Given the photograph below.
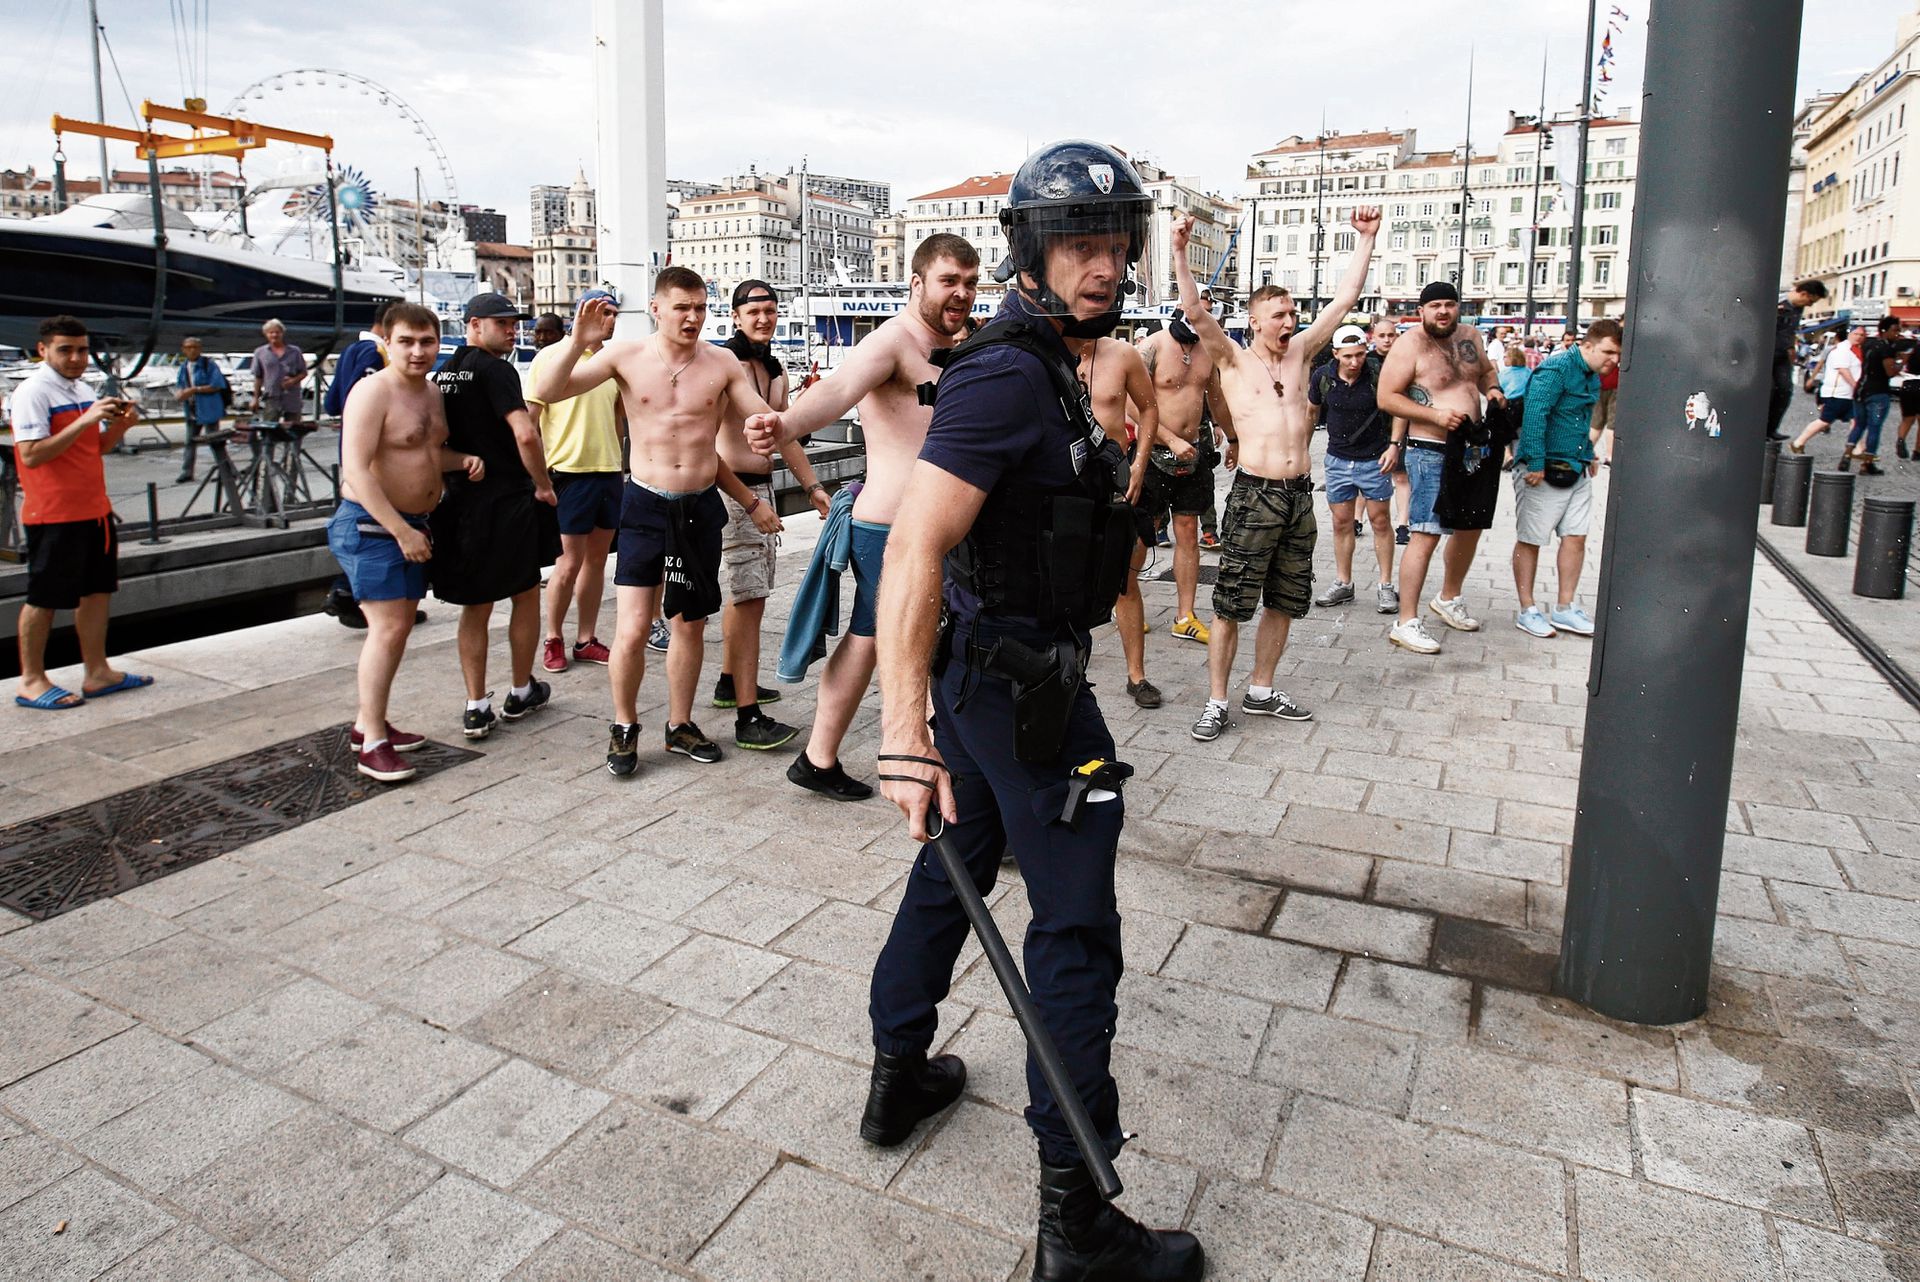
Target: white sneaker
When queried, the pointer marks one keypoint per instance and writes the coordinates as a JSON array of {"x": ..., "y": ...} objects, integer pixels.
[
  {"x": 1454, "y": 614},
  {"x": 1413, "y": 635}
]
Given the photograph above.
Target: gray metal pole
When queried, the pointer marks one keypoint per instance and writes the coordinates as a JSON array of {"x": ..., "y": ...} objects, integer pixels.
[
  {"x": 1466, "y": 184},
  {"x": 1580, "y": 176},
  {"x": 1540, "y": 136},
  {"x": 1664, "y": 687},
  {"x": 99, "y": 89}
]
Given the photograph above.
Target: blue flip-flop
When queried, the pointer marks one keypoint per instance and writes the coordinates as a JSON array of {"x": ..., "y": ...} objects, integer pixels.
[
  {"x": 128, "y": 682},
  {"x": 49, "y": 700}
]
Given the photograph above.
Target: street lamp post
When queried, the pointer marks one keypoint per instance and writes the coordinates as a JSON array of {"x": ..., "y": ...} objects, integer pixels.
[{"x": 1319, "y": 222}]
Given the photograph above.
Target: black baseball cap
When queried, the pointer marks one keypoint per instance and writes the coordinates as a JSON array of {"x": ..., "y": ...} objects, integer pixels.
[
  {"x": 754, "y": 291},
  {"x": 493, "y": 307}
]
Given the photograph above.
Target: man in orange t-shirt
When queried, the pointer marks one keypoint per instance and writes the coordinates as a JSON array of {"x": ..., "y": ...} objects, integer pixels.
[{"x": 59, "y": 432}]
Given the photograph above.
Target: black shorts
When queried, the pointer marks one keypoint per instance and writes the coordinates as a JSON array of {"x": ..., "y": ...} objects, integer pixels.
[
  {"x": 642, "y": 543},
  {"x": 1910, "y": 398},
  {"x": 67, "y": 560},
  {"x": 1188, "y": 495},
  {"x": 490, "y": 542},
  {"x": 589, "y": 501}
]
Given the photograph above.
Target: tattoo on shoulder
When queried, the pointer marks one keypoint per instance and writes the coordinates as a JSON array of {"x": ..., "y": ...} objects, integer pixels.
[
  {"x": 1469, "y": 351},
  {"x": 1151, "y": 356}
]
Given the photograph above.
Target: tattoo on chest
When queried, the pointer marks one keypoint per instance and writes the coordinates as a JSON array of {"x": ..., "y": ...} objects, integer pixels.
[{"x": 1469, "y": 351}]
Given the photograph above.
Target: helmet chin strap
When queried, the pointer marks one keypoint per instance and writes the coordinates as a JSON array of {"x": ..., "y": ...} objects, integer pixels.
[{"x": 1072, "y": 326}]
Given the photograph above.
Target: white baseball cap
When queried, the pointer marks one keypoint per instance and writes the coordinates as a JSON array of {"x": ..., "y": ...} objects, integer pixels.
[{"x": 1349, "y": 336}]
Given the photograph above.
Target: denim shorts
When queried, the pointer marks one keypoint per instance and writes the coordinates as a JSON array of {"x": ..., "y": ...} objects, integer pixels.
[
  {"x": 1347, "y": 477},
  {"x": 869, "y": 554},
  {"x": 1423, "y": 474},
  {"x": 371, "y": 558}
]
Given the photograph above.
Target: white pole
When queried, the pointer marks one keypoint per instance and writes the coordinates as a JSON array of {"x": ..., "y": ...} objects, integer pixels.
[
  {"x": 629, "y": 72},
  {"x": 99, "y": 90}
]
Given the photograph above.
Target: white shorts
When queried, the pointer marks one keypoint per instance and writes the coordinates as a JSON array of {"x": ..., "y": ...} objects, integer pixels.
[{"x": 1541, "y": 511}]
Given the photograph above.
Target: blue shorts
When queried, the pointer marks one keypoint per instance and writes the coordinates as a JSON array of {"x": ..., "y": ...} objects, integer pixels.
[
  {"x": 642, "y": 544},
  {"x": 371, "y": 558},
  {"x": 869, "y": 554},
  {"x": 588, "y": 501},
  {"x": 1423, "y": 475},
  {"x": 1347, "y": 477},
  {"x": 1836, "y": 409}
]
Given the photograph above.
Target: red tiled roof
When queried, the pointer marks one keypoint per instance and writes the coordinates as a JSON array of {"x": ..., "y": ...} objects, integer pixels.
[
  {"x": 977, "y": 185},
  {"x": 1340, "y": 142},
  {"x": 500, "y": 249},
  {"x": 1598, "y": 122}
]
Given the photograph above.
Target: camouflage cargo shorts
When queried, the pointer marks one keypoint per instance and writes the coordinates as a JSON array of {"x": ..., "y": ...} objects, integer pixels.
[{"x": 1267, "y": 536}]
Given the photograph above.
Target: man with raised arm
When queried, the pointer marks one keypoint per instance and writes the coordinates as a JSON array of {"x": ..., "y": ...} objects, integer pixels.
[
  {"x": 1267, "y": 531},
  {"x": 883, "y": 375},
  {"x": 1179, "y": 478},
  {"x": 1432, "y": 381},
  {"x": 675, "y": 389}
]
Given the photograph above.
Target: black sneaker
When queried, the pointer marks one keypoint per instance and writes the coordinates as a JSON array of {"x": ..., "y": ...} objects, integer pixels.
[
  {"x": 623, "y": 749},
  {"x": 689, "y": 742},
  {"x": 723, "y": 693},
  {"x": 1900, "y": 448},
  {"x": 1145, "y": 693},
  {"x": 1400, "y": 535},
  {"x": 1872, "y": 469},
  {"x": 1278, "y": 704},
  {"x": 833, "y": 781},
  {"x": 515, "y": 707},
  {"x": 344, "y": 608},
  {"x": 758, "y": 731},
  {"x": 478, "y": 723}
]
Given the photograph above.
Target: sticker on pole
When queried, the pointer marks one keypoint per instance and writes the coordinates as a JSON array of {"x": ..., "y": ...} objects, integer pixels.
[{"x": 1700, "y": 413}]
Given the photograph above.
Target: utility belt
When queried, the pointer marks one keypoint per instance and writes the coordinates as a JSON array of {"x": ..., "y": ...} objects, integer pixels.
[{"x": 1046, "y": 679}]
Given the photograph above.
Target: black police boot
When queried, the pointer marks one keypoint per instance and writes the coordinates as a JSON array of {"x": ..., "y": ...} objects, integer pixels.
[
  {"x": 905, "y": 1091},
  {"x": 1084, "y": 1238}
]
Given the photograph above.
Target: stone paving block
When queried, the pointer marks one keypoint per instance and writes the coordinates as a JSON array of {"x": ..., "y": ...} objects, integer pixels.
[
  {"x": 1367, "y": 929},
  {"x": 1808, "y": 827},
  {"x": 1205, "y": 808},
  {"x": 455, "y": 1229},
  {"x": 1889, "y": 875},
  {"x": 708, "y": 974},
  {"x": 1893, "y": 838},
  {"x": 1513, "y": 785},
  {"x": 455, "y": 986},
  {"x": 645, "y": 883},
  {"x": 503, "y": 1125},
  {"x": 178, "y": 892},
  {"x": 86, "y": 937},
  {"x": 1557, "y": 1030},
  {"x": 1206, "y": 771},
  {"x": 1506, "y": 857},
  {"x": 1427, "y": 1180},
  {"x": 692, "y": 1066},
  {"x": 1327, "y": 792},
  {"x": 1253, "y": 1233},
  {"x": 815, "y": 1006},
  {"x": 1738, "y": 1000},
  {"x": 480, "y": 838},
  {"x": 1886, "y": 969},
  {"x": 1426, "y": 805},
  {"x": 71, "y": 1097},
  {"x": 1451, "y": 891},
  {"x": 1497, "y": 954},
  {"x": 1892, "y": 921},
  {"x": 1745, "y": 896},
  {"x": 51, "y": 1023},
  {"x": 305, "y": 1190},
  {"x": 872, "y": 1237},
  {"x": 652, "y": 1182},
  {"x": 1415, "y": 1000},
  {"x": 412, "y": 884},
  {"x": 502, "y": 911},
  {"x": 255, "y": 909},
  {"x": 809, "y": 1105},
  {"x": 1528, "y": 822},
  {"x": 1351, "y": 1062},
  {"x": 1850, "y": 1021},
  {"x": 285, "y": 1024},
  {"x": 182, "y": 981},
  {"x": 1398, "y": 1255},
  {"x": 105, "y": 1225},
  {"x": 799, "y": 864},
  {"x": 1275, "y": 754},
  {"x": 1193, "y": 895},
  {"x": 1218, "y": 1121},
  {"x": 167, "y": 1137},
  {"x": 1286, "y": 863},
  {"x": 1269, "y": 969},
  {"x": 840, "y": 934},
  {"x": 1366, "y": 834},
  {"x": 1730, "y": 1154},
  {"x": 1815, "y": 1085},
  {"x": 316, "y": 853},
  {"x": 601, "y": 941},
  {"x": 188, "y": 1252},
  {"x": 575, "y": 1257},
  {"x": 1524, "y": 1104},
  {"x": 1382, "y": 768},
  {"x": 1812, "y": 1255},
  {"x": 390, "y": 1071},
  {"x": 1186, "y": 1021},
  {"x": 1780, "y": 950},
  {"x": 558, "y": 861},
  {"x": 29, "y": 1163},
  {"x": 1630, "y": 1230},
  {"x": 355, "y": 948},
  {"x": 396, "y": 815},
  {"x": 751, "y": 913},
  {"x": 1164, "y": 842},
  {"x": 1866, "y": 803},
  {"x": 570, "y": 1023}
]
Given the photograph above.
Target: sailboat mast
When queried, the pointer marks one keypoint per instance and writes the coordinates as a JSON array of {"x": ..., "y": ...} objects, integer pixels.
[{"x": 99, "y": 89}]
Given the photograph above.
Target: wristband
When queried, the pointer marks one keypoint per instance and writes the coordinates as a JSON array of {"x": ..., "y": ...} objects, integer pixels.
[
  {"x": 816, "y": 488},
  {"x": 752, "y": 507}
]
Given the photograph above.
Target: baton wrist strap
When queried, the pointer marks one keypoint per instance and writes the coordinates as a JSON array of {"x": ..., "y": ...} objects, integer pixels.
[{"x": 928, "y": 784}]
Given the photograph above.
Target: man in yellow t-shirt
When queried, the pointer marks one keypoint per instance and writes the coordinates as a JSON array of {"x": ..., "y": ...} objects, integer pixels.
[{"x": 582, "y": 436}]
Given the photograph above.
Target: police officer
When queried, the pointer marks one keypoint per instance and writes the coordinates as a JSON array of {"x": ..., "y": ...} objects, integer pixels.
[{"x": 1018, "y": 489}]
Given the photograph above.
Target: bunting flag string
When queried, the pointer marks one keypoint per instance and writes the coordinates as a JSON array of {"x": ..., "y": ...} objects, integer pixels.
[{"x": 1617, "y": 20}]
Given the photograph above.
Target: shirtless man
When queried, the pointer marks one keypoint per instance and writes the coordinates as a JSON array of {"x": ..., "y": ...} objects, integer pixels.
[
  {"x": 747, "y": 552},
  {"x": 675, "y": 390},
  {"x": 393, "y": 450},
  {"x": 1184, "y": 383},
  {"x": 883, "y": 375},
  {"x": 1268, "y": 529},
  {"x": 1432, "y": 382},
  {"x": 1385, "y": 333},
  {"x": 1115, "y": 375}
]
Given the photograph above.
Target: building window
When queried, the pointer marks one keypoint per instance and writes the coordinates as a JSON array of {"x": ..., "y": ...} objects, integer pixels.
[
  {"x": 1616, "y": 146},
  {"x": 1293, "y": 244},
  {"x": 1603, "y": 271},
  {"x": 1396, "y": 273},
  {"x": 1343, "y": 242},
  {"x": 1398, "y": 240},
  {"x": 1426, "y": 240},
  {"x": 1480, "y": 272}
]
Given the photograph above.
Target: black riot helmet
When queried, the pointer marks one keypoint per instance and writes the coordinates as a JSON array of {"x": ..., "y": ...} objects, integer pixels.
[{"x": 1067, "y": 188}]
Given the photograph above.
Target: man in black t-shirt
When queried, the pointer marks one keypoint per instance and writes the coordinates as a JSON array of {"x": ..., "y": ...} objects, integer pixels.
[
  {"x": 1873, "y": 397},
  {"x": 491, "y": 537},
  {"x": 1908, "y": 349},
  {"x": 1359, "y": 464}
]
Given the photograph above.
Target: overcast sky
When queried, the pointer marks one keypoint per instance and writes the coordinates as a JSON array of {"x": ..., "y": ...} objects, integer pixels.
[{"x": 916, "y": 94}]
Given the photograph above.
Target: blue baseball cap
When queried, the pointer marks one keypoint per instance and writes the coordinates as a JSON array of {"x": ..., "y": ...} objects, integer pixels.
[{"x": 594, "y": 293}]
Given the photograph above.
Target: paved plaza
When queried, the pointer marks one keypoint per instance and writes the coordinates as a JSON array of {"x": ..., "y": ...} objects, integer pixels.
[{"x": 524, "y": 1020}]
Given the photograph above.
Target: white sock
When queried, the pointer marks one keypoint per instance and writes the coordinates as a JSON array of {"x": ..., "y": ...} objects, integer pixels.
[
  {"x": 369, "y": 747},
  {"x": 1220, "y": 704},
  {"x": 521, "y": 692},
  {"x": 1257, "y": 693},
  {"x": 481, "y": 704}
]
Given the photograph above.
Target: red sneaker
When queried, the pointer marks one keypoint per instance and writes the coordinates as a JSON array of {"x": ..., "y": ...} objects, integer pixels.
[
  {"x": 590, "y": 651},
  {"x": 383, "y": 763},
  {"x": 401, "y": 740},
  {"x": 553, "y": 654}
]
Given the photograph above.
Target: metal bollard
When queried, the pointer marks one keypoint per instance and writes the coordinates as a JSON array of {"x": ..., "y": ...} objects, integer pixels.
[
  {"x": 1886, "y": 538},
  {"x": 1769, "y": 459},
  {"x": 153, "y": 516},
  {"x": 1830, "y": 514},
  {"x": 1792, "y": 478}
]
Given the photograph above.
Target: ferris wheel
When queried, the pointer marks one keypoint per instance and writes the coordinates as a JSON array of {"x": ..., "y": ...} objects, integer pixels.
[{"x": 386, "y": 157}]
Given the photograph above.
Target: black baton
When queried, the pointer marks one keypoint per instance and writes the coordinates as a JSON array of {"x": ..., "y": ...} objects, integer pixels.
[{"x": 1039, "y": 1040}]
